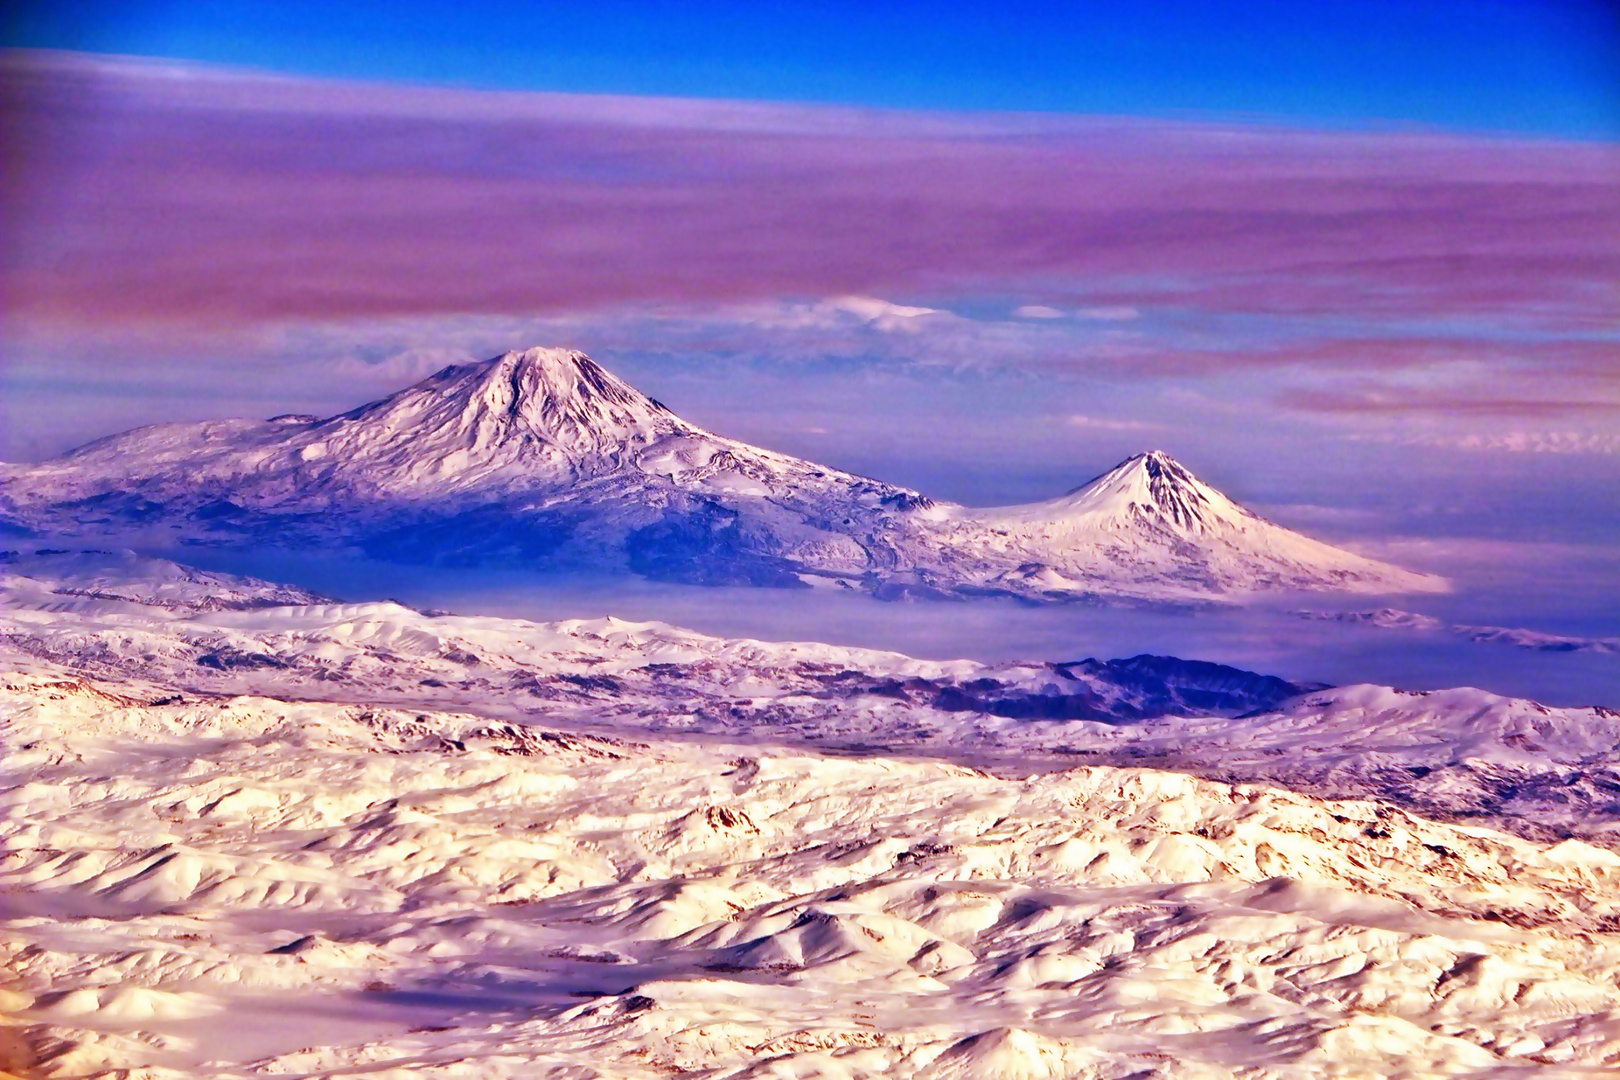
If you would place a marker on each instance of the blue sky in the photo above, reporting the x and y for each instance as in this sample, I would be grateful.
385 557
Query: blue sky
1534 66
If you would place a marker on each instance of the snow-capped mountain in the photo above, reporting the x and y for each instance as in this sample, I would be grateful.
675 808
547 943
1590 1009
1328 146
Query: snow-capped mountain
1151 523
541 457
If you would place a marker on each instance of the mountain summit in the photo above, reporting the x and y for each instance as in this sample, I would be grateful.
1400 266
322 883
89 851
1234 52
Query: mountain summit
503 422
1151 489
535 397
542 457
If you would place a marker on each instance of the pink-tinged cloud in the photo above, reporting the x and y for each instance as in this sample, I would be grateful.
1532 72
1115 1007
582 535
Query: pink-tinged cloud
137 193
1452 403
1592 363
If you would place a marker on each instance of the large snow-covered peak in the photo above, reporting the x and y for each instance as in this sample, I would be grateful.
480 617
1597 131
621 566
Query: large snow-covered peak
554 396
559 390
531 416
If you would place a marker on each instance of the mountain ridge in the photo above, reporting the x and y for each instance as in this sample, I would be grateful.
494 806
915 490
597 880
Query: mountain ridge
467 846
543 457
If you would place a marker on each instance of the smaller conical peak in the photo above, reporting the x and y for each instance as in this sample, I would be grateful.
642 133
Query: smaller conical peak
1154 462
1155 486
1153 469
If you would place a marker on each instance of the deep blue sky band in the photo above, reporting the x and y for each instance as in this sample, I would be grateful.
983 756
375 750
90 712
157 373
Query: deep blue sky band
1527 66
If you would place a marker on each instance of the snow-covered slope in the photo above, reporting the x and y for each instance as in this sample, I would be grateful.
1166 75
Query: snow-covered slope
542 457
327 840
596 671
1516 636
91 579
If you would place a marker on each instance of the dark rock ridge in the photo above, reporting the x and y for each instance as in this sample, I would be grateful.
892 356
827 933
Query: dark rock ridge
1114 691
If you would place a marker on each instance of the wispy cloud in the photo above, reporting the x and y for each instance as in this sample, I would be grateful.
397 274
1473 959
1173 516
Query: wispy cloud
1453 403
1104 423
1508 442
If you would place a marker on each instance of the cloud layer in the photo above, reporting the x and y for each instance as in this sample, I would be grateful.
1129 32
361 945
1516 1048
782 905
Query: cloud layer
155 193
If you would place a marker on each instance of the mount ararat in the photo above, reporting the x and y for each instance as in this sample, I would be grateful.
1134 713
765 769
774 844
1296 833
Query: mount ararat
542 458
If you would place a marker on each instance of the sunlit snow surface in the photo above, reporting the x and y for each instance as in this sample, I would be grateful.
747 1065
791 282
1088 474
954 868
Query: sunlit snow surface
247 838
